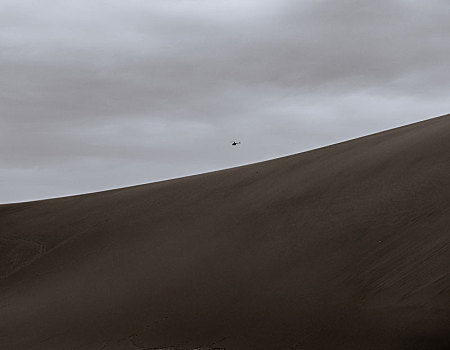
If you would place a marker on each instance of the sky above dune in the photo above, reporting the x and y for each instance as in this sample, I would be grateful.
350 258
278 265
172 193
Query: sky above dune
103 94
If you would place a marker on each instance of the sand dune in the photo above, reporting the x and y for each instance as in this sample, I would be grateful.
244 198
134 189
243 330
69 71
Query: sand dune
343 247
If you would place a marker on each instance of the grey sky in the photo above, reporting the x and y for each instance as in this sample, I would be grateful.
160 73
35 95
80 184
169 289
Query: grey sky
101 94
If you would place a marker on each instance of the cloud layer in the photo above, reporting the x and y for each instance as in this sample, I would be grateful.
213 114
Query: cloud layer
101 94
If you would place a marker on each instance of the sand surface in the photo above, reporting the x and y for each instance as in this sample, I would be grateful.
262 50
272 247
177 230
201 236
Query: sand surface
343 247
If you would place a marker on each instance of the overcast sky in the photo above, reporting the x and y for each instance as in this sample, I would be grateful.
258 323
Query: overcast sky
102 94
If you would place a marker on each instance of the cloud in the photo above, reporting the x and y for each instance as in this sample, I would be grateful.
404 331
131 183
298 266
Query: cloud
135 91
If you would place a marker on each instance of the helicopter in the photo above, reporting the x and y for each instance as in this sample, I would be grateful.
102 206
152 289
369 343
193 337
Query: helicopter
234 143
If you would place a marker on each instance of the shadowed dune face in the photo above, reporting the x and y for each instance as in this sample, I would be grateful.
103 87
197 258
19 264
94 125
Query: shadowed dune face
344 247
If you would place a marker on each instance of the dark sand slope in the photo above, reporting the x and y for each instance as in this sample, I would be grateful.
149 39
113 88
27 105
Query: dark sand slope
344 247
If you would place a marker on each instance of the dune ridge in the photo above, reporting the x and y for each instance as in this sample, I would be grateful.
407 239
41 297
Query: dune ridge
343 247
